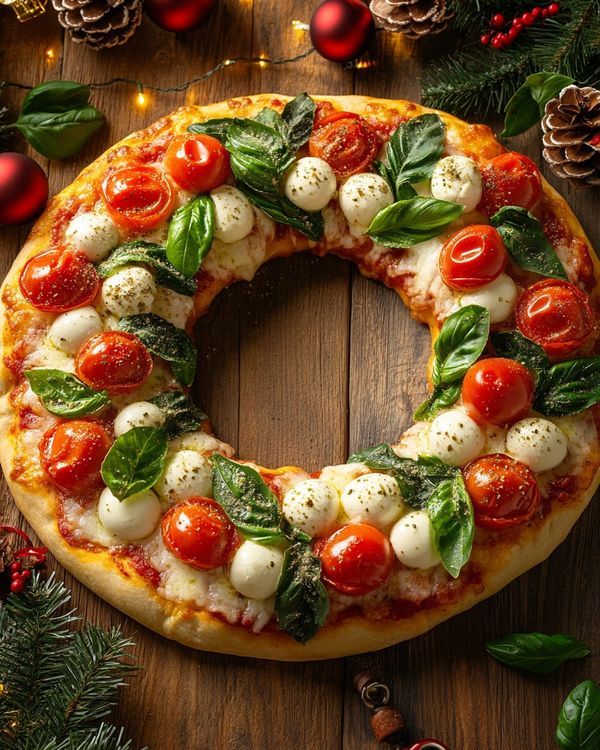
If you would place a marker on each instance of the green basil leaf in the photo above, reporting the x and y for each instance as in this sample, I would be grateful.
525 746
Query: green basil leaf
442 396
55 96
181 413
568 387
462 339
408 222
513 345
217 128
65 395
526 243
301 602
284 211
248 502
191 234
579 719
298 116
135 461
536 652
526 106
151 255
451 514
272 119
415 148
164 340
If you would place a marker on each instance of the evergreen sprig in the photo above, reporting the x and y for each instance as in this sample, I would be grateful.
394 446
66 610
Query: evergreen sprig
57 683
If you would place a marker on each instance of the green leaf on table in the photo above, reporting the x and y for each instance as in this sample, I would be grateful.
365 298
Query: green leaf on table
526 242
135 461
513 345
526 106
460 343
217 128
411 221
282 210
536 652
579 719
65 395
181 413
414 149
190 237
451 513
568 387
441 397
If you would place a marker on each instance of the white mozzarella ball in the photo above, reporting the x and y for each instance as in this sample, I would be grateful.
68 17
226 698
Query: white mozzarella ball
312 505
499 298
174 307
538 443
234 217
73 328
455 438
310 183
186 474
361 198
457 179
138 414
95 235
255 570
131 519
374 499
412 540
129 291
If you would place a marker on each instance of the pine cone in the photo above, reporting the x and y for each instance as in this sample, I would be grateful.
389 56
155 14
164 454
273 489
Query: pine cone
414 18
99 23
571 138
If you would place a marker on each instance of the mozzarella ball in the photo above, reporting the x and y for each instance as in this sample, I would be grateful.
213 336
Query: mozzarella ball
174 307
312 505
255 570
412 540
455 438
72 329
457 179
499 298
186 474
361 198
131 519
374 499
129 291
138 414
310 183
234 217
538 443
95 235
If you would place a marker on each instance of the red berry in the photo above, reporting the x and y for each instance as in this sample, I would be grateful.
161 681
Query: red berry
536 12
497 41
519 27
26 575
513 33
545 13
485 39
498 21
17 587
15 575
527 19
15 567
553 9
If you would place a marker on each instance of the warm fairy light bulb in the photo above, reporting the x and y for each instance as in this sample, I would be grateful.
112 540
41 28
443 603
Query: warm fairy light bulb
300 25
263 60
227 63
141 100
50 55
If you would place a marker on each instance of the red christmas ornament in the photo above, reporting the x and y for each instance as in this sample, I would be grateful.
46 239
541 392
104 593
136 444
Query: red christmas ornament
341 30
179 15
23 189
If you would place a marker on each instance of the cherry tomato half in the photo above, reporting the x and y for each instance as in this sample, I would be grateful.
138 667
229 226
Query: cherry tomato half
197 162
504 491
357 559
346 142
59 280
555 314
510 179
198 532
472 257
138 197
72 454
115 361
497 391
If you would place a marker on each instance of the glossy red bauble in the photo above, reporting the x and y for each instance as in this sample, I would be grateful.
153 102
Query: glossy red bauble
179 15
23 189
341 30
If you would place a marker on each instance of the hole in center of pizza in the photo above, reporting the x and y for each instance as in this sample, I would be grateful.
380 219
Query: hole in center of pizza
116 466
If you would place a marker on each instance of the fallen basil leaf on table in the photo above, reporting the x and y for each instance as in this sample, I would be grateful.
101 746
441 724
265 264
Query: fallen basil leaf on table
190 237
411 221
135 461
579 719
536 652
65 395
526 107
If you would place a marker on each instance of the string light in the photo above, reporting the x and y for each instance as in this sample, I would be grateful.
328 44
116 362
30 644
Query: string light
300 25
141 100
50 55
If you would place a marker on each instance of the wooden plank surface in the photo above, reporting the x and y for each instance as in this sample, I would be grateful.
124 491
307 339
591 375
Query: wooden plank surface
305 363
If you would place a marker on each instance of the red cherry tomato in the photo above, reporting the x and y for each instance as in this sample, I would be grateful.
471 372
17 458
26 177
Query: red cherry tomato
138 197
115 361
356 559
497 391
510 179
504 491
198 532
72 454
59 280
346 142
557 315
197 162
472 257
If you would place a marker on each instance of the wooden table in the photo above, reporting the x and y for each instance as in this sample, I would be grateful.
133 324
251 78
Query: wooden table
305 364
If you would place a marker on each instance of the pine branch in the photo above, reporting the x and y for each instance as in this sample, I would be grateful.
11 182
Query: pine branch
474 15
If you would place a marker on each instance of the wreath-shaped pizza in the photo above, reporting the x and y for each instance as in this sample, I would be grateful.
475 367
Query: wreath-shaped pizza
118 470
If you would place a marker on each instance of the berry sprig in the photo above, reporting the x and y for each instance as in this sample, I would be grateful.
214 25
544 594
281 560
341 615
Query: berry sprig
503 33
27 559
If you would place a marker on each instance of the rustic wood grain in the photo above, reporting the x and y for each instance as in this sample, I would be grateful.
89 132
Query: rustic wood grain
303 365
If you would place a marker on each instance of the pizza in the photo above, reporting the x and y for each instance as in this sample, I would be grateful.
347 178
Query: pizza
117 469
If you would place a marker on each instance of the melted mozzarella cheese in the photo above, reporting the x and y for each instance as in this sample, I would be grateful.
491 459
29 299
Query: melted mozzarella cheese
310 183
201 442
312 505
234 216
131 519
93 234
374 499
71 329
138 414
538 443
457 179
340 476
412 540
455 438
129 291
186 474
498 298
255 570
361 198
174 307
